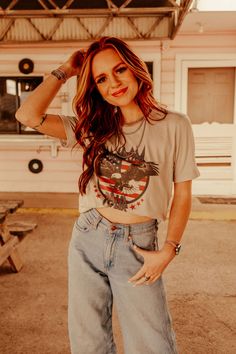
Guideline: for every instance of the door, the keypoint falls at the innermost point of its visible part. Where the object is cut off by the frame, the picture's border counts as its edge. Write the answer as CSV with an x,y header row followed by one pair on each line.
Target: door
x,y
211,95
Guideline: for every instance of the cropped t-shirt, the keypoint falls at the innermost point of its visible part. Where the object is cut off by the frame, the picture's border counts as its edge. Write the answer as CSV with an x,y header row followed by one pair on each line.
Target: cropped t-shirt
x,y
138,177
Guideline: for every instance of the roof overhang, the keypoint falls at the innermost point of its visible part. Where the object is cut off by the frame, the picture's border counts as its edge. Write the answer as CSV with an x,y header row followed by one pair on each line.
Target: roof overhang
x,y
75,20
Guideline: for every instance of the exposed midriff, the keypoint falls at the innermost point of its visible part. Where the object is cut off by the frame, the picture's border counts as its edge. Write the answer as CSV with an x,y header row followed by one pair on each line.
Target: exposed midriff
x,y
121,217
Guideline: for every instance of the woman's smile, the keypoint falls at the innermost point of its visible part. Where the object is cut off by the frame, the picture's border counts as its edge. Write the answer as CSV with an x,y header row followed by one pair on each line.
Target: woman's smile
x,y
120,92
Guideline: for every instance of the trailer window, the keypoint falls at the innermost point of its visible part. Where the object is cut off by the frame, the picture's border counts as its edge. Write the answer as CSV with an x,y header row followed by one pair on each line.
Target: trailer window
x,y
13,91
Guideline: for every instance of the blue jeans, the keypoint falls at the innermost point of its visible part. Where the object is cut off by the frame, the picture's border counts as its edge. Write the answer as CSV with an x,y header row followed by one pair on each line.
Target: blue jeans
x,y
101,260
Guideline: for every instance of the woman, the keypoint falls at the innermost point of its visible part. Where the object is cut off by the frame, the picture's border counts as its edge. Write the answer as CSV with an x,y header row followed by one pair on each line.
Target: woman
x,y
133,152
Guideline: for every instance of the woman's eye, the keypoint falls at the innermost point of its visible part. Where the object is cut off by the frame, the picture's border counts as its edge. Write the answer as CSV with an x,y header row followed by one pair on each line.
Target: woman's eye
x,y
101,80
121,69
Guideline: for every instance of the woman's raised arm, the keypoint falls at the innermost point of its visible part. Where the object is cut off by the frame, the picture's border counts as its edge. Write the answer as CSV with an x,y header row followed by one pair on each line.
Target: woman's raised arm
x,y
32,112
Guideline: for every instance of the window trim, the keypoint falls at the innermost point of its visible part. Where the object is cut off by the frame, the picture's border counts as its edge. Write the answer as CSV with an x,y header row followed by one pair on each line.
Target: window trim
x,y
193,60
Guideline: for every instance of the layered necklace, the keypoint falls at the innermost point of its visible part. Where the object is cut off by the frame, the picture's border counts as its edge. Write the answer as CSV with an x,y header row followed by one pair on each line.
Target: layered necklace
x,y
132,153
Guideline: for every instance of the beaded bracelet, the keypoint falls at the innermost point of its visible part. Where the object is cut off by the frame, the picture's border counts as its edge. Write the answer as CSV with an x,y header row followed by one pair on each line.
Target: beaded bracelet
x,y
60,75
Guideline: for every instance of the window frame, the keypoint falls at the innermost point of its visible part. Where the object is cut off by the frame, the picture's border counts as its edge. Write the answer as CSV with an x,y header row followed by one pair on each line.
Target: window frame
x,y
203,60
19,131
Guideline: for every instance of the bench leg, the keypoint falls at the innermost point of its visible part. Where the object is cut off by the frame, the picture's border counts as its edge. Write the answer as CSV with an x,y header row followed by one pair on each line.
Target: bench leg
x,y
15,261
8,250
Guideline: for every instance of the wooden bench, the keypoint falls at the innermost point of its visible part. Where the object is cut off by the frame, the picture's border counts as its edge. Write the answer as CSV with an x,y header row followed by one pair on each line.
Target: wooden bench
x,y
11,234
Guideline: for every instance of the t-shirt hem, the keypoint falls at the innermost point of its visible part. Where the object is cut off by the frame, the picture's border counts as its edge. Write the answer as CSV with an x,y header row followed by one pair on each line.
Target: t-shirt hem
x,y
187,178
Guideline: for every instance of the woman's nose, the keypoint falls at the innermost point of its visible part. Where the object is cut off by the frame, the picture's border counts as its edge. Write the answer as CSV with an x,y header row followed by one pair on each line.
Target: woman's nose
x,y
114,81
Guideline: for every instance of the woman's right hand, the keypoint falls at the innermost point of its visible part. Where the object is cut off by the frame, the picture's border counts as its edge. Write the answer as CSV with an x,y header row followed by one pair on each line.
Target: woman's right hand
x,y
73,64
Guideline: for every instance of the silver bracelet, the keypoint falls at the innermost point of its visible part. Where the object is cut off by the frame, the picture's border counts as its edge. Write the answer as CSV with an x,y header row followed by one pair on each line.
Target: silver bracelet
x,y
41,122
60,75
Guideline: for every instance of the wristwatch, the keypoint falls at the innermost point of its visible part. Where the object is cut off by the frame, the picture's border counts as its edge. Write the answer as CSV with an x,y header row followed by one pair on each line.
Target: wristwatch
x,y
176,245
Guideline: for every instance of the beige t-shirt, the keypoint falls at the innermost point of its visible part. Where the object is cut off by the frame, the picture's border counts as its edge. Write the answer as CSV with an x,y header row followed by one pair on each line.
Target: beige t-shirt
x,y
138,177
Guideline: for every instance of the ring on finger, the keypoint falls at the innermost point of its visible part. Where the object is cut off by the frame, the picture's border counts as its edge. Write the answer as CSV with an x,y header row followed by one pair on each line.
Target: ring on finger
x,y
146,278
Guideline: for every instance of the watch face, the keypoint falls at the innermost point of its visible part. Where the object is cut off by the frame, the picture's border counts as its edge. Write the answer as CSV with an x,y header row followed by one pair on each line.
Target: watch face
x,y
177,249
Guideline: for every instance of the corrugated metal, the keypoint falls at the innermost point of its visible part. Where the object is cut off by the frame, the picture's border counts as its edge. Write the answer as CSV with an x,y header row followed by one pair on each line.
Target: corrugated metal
x,y
70,29
94,25
119,27
22,30
45,25
82,29
162,30
144,24
4,23
147,24
126,19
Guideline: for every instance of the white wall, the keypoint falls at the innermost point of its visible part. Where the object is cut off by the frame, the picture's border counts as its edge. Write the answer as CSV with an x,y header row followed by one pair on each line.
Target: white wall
x,y
60,173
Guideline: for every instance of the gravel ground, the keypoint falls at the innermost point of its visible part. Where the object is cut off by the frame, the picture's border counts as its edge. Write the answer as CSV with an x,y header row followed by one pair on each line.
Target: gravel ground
x,y
200,284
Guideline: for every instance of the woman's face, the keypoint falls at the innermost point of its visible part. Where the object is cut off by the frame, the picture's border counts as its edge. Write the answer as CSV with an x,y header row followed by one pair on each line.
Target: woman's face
x,y
114,80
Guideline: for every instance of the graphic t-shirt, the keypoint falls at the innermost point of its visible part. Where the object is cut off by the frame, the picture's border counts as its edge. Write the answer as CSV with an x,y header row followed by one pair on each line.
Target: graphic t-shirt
x,y
138,177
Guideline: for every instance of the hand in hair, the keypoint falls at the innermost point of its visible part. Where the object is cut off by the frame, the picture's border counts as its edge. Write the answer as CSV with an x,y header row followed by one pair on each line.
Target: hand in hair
x,y
72,65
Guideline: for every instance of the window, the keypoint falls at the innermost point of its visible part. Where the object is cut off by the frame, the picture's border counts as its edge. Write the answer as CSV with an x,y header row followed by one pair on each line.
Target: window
x,y
13,91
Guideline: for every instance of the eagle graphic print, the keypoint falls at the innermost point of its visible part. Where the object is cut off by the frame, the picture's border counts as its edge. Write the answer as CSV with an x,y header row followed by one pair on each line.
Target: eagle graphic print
x,y
124,177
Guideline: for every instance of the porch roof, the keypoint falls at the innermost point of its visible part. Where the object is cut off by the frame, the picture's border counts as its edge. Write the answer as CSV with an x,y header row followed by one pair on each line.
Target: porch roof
x,y
69,20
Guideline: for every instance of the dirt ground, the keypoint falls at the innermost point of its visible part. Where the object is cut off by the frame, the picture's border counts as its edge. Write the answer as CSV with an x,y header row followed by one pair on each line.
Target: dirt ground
x,y
200,283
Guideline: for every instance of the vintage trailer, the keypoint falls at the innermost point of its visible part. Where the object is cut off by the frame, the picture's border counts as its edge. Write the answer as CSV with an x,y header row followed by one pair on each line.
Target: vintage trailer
x,y
193,72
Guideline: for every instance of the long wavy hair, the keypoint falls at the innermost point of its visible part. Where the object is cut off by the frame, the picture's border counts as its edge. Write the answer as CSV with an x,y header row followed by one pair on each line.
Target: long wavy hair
x,y
97,120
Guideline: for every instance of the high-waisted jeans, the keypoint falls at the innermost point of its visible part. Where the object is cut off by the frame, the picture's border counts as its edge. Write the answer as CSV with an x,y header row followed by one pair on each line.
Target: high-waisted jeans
x,y
101,260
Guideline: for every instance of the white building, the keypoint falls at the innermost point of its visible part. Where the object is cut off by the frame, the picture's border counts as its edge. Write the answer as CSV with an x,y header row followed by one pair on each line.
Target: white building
x,y
194,72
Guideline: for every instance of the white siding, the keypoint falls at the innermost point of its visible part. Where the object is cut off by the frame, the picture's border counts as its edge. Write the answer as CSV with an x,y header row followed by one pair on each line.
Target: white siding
x,y
61,173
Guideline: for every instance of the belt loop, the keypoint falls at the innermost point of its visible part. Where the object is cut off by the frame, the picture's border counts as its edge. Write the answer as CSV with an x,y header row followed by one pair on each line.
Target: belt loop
x,y
97,221
126,232
129,234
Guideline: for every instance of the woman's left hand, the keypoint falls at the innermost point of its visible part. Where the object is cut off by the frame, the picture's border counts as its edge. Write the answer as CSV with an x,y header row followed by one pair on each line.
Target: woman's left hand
x,y
154,265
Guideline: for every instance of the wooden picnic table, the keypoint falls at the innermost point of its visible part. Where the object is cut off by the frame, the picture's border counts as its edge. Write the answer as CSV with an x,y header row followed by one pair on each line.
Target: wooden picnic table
x,y
11,234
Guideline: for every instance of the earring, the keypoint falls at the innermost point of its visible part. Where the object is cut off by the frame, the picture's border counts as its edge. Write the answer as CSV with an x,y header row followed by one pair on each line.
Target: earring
x,y
115,109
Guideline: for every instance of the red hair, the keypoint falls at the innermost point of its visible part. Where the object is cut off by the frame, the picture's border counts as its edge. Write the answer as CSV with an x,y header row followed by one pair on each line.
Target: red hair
x,y
98,121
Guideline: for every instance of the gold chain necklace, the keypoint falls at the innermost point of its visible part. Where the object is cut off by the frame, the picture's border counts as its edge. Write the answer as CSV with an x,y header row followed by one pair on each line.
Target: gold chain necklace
x,y
132,152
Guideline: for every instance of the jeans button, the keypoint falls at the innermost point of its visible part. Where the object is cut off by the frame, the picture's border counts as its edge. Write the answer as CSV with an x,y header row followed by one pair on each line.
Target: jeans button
x,y
113,227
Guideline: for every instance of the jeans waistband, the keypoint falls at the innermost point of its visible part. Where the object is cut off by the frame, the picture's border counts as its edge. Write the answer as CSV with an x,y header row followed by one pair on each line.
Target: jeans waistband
x,y
96,218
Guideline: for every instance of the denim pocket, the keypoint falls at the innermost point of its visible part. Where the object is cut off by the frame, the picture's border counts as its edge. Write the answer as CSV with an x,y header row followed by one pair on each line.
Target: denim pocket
x,y
146,240
83,223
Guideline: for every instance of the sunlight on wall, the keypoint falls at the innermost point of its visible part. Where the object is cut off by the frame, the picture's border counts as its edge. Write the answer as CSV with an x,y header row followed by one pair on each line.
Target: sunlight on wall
x,y
213,5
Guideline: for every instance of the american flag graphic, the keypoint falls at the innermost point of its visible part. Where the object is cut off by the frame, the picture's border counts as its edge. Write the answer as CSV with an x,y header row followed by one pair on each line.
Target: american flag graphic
x,y
113,187
124,180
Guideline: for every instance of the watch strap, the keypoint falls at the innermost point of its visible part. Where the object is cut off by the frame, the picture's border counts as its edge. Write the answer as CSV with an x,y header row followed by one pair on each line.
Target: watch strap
x,y
176,245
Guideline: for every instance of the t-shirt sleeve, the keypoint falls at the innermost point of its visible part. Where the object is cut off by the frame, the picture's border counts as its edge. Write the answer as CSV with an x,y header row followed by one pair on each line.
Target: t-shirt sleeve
x,y
185,167
69,125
